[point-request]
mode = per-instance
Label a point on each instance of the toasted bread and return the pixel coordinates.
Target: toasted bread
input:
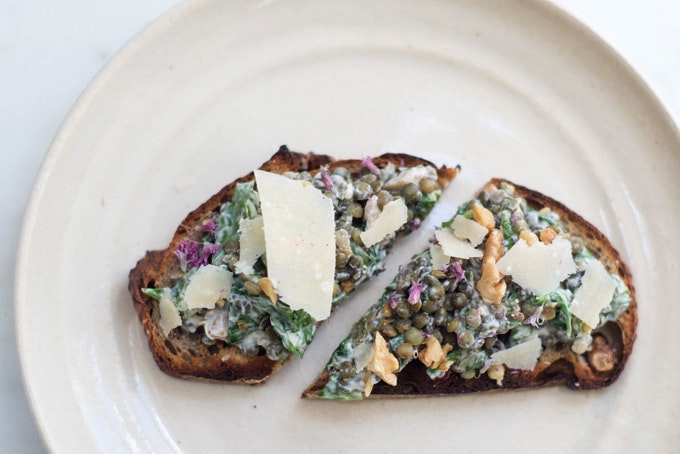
(184, 354)
(558, 364)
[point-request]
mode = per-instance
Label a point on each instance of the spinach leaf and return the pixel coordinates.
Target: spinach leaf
(243, 205)
(296, 328)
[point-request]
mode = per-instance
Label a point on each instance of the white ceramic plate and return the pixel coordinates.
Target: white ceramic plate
(511, 89)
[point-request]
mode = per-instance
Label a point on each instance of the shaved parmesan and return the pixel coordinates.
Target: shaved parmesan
(170, 318)
(468, 229)
(371, 210)
(207, 286)
(251, 244)
(412, 175)
(363, 354)
(594, 294)
(538, 268)
(453, 246)
(521, 356)
(437, 257)
(390, 219)
(299, 231)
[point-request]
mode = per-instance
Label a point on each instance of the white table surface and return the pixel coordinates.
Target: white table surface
(50, 51)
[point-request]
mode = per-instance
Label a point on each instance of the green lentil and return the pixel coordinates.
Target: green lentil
(414, 336)
(410, 192)
(389, 331)
(428, 185)
(355, 210)
(420, 320)
(405, 350)
(384, 197)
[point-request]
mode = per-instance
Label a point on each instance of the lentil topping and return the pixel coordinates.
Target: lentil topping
(439, 315)
(250, 315)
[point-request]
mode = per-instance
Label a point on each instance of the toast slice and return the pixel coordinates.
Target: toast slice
(245, 333)
(452, 322)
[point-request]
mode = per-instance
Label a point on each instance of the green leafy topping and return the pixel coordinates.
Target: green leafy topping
(620, 301)
(372, 258)
(562, 298)
(546, 219)
(296, 328)
(243, 205)
(155, 293)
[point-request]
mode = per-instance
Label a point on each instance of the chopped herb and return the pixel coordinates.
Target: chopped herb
(155, 293)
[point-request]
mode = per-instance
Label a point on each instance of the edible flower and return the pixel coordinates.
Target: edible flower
(326, 178)
(414, 293)
(186, 253)
(209, 227)
(392, 300)
(454, 271)
(415, 224)
(533, 319)
(209, 249)
(191, 254)
(368, 163)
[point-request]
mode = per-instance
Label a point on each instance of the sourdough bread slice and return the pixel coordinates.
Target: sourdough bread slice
(187, 353)
(596, 362)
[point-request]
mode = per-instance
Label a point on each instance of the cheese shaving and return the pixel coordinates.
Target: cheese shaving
(453, 246)
(594, 294)
(393, 215)
(251, 244)
(207, 286)
(299, 231)
(522, 356)
(170, 318)
(538, 268)
(467, 229)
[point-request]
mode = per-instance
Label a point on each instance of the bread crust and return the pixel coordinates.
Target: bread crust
(556, 366)
(184, 355)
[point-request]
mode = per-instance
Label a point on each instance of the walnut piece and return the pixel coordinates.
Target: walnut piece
(434, 355)
(548, 234)
(491, 285)
(368, 384)
(383, 363)
(529, 237)
(483, 216)
(601, 357)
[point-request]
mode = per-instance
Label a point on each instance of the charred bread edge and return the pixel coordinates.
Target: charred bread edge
(184, 355)
(555, 367)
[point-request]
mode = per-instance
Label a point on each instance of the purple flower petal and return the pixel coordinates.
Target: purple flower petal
(326, 178)
(368, 163)
(392, 300)
(415, 224)
(192, 254)
(186, 253)
(208, 227)
(209, 249)
(414, 293)
(454, 271)
(534, 318)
